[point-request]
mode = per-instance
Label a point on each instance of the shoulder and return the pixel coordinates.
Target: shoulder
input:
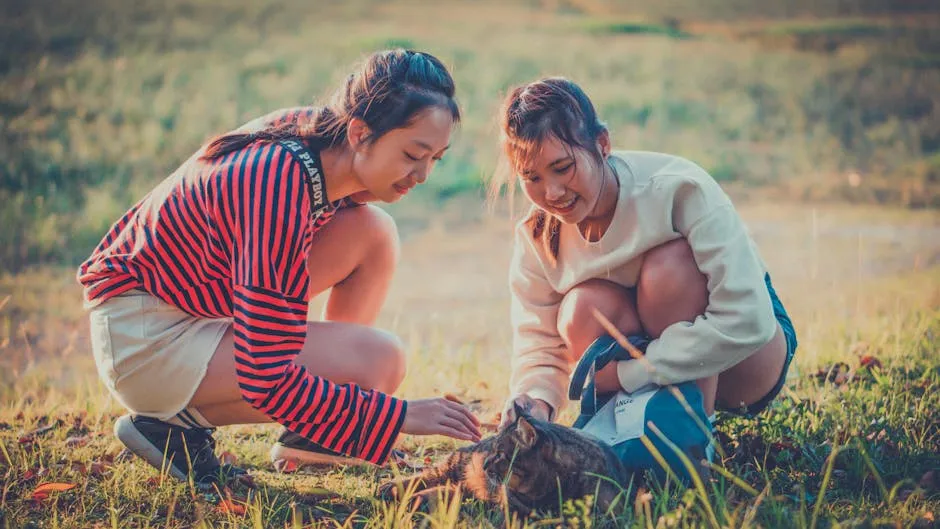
(672, 179)
(278, 117)
(260, 165)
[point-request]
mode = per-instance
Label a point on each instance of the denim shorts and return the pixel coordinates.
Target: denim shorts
(784, 320)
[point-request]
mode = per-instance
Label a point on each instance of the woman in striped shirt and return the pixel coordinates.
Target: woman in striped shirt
(198, 295)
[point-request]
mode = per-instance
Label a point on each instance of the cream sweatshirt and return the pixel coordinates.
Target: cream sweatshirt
(661, 198)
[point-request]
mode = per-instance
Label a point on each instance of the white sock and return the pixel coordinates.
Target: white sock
(190, 418)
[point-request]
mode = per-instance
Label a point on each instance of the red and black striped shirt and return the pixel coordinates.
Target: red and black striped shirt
(229, 238)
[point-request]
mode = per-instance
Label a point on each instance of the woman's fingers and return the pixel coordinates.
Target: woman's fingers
(466, 418)
(455, 428)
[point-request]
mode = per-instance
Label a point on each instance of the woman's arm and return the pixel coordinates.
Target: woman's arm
(738, 318)
(539, 365)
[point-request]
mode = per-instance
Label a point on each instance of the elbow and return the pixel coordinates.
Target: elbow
(765, 328)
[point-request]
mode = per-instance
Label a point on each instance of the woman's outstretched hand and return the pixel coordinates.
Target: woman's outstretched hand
(440, 416)
(537, 408)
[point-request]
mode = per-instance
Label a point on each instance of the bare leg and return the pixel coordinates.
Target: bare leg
(672, 289)
(579, 328)
(355, 256)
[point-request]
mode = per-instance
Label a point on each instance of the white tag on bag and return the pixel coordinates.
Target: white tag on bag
(622, 418)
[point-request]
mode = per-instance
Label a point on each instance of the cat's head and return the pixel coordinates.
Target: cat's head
(529, 458)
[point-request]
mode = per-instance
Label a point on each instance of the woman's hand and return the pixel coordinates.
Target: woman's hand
(439, 416)
(537, 408)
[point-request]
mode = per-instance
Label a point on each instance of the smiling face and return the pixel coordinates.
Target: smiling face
(564, 180)
(401, 158)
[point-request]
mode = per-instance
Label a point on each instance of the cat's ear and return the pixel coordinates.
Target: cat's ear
(520, 411)
(525, 434)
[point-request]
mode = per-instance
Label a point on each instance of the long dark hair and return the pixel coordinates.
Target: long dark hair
(387, 91)
(550, 107)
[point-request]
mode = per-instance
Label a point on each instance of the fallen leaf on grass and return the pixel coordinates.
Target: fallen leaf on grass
(28, 475)
(76, 441)
(230, 507)
(837, 373)
(870, 362)
(43, 491)
(29, 437)
(98, 467)
(228, 458)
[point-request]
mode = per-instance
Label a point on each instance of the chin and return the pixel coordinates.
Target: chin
(573, 217)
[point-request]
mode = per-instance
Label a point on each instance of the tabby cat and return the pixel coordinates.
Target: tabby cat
(523, 466)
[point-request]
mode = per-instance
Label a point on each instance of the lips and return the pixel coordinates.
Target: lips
(402, 189)
(566, 206)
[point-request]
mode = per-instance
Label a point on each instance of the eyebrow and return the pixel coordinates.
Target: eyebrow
(526, 172)
(423, 145)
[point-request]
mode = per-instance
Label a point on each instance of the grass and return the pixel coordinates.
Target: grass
(859, 450)
(791, 105)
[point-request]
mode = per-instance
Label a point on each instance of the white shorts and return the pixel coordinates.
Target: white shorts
(151, 355)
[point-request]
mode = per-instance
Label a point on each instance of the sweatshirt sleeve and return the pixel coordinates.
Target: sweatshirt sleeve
(738, 319)
(270, 213)
(539, 366)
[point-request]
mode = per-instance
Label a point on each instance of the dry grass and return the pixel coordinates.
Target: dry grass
(858, 281)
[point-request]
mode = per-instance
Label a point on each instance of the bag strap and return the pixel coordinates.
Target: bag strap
(604, 350)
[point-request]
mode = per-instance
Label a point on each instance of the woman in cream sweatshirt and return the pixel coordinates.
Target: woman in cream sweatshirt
(652, 242)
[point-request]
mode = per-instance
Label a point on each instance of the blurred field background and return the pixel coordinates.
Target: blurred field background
(99, 100)
(822, 119)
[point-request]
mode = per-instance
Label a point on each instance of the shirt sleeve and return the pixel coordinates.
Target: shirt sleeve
(738, 319)
(539, 366)
(271, 217)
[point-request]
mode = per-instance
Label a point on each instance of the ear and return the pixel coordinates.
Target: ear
(357, 133)
(525, 434)
(519, 410)
(603, 143)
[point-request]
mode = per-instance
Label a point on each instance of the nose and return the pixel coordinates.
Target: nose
(554, 191)
(420, 174)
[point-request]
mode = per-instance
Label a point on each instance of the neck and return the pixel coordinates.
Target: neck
(610, 191)
(338, 174)
(598, 220)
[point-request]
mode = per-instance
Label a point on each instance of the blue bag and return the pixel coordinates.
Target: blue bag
(620, 419)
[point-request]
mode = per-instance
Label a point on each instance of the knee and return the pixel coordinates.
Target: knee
(388, 365)
(670, 268)
(577, 323)
(385, 244)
